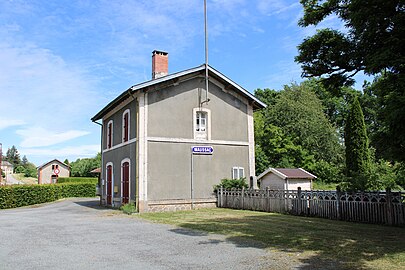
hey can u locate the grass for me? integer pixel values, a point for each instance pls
(323, 186)
(318, 243)
(25, 180)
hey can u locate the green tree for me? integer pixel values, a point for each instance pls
(83, 167)
(357, 150)
(299, 114)
(13, 156)
(373, 43)
(388, 135)
(66, 161)
(30, 170)
(24, 161)
(293, 131)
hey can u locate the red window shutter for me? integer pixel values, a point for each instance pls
(126, 127)
(109, 139)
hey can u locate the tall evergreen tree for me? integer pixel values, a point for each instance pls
(13, 156)
(357, 151)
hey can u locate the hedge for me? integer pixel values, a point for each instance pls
(77, 180)
(17, 196)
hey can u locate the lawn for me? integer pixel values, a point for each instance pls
(318, 243)
(25, 180)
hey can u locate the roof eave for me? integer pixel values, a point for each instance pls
(256, 103)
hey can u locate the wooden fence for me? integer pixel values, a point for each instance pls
(369, 207)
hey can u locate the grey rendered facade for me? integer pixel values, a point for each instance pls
(163, 127)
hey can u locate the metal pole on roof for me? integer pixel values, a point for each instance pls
(206, 52)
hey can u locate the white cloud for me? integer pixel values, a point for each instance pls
(38, 137)
(277, 7)
(69, 152)
(6, 123)
(40, 88)
(288, 72)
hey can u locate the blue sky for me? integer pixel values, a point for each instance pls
(63, 61)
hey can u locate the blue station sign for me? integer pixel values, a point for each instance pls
(202, 150)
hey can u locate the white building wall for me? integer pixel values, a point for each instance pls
(293, 184)
(272, 181)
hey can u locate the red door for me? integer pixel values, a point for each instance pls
(125, 182)
(109, 184)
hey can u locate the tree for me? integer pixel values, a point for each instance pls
(30, 170)
(24, 161)
(13, 156)
(373, 43)
(66, 161)
(357, 151)
(83, 167)
(293, 131)
(299, 114)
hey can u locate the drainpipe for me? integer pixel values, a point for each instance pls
(102, 158)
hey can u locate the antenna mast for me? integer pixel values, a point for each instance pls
(206, 52)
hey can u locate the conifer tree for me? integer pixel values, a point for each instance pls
(357, 151)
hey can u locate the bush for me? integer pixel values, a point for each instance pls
(232, 183)
(17, 196)
(128, 208)
(77, 180)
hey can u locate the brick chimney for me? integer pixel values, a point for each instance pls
(160, 64)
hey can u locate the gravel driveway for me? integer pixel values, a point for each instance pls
(77, 234)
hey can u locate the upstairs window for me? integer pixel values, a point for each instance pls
(109, 134)
(125, 126)
(201, 124)
(238, 172)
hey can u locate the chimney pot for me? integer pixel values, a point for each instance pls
(160, 64)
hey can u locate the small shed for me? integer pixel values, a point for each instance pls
(49, 172)
(286, 179)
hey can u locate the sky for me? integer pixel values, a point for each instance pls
(62, 61)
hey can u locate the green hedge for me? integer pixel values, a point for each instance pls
(17, 196)
(77, 180)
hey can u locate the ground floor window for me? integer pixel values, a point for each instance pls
(238, 172)
(125, 181)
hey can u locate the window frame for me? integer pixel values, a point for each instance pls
(110, 134)
(126, 128)
(206, 134)
(238, 172)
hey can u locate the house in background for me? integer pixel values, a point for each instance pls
(49, 172)
(286, 179)
(7, 167)
(165, 143)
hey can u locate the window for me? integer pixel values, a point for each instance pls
(238, 172)
(201, 125)
(109, 133)
(125, 126)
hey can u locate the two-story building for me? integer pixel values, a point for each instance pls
(150, 133)
(49, 172)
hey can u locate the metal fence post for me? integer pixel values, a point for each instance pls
(299, 202)
(243, 198)
(389, 206)
(338, 208)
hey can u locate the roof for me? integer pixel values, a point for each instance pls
(257, 104)
(286, 173)
(54, 160)
(6, 163)
(96, 170)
